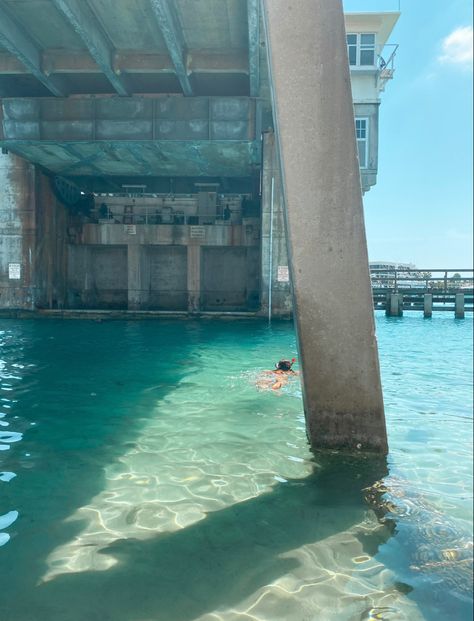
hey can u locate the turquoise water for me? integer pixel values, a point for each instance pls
(144, 477)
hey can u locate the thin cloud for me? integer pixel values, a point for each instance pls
(457, 47)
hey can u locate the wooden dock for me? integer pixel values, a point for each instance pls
(428, 291)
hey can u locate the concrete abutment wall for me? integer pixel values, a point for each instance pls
(53, 258)
(33, 230)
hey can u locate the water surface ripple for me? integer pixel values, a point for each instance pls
(144, 477)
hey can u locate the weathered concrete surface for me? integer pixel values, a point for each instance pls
(230, 278)
(194, 277)
(167, 288)
(33, 236)
(17, 231)
(146, 136)
(138, 278)
(50, 267)
(328, 254)
(164, 267)
(97, 277)
(172, 234)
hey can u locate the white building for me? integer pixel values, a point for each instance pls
(371, 61)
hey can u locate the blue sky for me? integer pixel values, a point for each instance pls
(421, 209)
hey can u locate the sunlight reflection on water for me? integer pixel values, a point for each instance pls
(139, 459)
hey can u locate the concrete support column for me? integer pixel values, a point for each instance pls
(138, 277)
(17, 232)
(394, 306)
(428, 305)
(194, 278)
(332, 297)
(459, 306)
(86, 257)
(273, 255)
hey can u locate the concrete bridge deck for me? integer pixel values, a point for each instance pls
(71, 47)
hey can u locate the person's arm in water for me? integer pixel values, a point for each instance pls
(280, 381)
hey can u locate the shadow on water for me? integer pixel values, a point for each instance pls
(214, 563)
(78, 414)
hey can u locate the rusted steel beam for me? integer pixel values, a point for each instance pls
(56, 61)
(79, 14)
(253, 23)
(21, 45)
(168, 21)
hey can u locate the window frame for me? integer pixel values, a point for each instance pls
(366, 140)
(361, 47)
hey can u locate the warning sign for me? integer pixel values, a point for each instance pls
(130, 229)
(14, 271)
(197, 232)
(283, 273)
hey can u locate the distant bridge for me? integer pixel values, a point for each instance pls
(427, 290)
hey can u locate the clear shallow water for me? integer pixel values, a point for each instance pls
(144, 478)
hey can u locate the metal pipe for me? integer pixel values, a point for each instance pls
(271, 254)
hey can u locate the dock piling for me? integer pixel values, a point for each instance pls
(394, 306)
(428, 305)
(459, 306)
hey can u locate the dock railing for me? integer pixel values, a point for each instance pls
(423, 289)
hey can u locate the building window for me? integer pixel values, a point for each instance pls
(361, 49)
(362, 137)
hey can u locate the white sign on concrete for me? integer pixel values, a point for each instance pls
(14, 271)
(197, 232)
(283, 274)
(130, 229)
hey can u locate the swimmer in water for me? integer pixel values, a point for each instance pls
(282, 371)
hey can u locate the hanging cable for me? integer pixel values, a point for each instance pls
(271, 255)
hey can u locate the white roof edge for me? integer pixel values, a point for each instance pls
(398, 13)
(387, 21)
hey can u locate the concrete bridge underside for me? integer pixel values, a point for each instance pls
(171, 95)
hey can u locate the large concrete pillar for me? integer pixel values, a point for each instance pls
(332, 297)
(17, 232)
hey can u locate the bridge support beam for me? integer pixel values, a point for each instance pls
(314, 119)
